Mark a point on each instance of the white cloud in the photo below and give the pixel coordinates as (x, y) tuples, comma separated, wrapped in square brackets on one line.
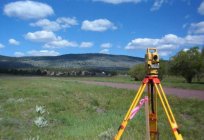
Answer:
[(106, 45), (19, 54), (185, 49), (164, 53), (66, 21), (50, 39), (13, 42), (157, 4), (1, 45), (43, 53), (119, 1), (60, 23), (41, 36), (196, 28), (28, 9), (105, 51), (166, 44), (86, 44), (46, 24), (98, 25), (60, 43), (201, 8), (194, 40)]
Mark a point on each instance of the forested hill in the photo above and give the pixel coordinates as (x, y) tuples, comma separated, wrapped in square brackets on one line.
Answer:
[(71, 61)]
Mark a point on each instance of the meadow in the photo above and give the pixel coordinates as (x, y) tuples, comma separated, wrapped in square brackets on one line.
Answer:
[(167, 81), (71, 110)]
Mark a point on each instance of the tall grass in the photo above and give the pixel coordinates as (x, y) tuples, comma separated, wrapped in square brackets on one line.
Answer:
[(76, 111)]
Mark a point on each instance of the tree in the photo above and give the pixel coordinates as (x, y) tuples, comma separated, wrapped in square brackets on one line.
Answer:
[(187, 63), (163, 69), (137, 72), (202, 63)]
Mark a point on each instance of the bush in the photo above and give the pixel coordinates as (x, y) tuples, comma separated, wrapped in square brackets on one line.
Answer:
[(163, 69), (137, 72)]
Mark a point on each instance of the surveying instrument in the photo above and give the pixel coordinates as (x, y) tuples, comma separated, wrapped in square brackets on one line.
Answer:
[(154, 89)]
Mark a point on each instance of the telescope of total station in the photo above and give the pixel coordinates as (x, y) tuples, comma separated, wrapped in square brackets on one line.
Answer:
[(154, 88)]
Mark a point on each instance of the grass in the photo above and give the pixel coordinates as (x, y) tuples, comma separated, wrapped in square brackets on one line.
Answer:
[(115, 79), (179, 82), (168, 81), (76, 111)]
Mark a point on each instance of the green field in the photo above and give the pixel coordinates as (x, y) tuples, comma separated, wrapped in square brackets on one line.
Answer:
[(168, 81), (76, 111)]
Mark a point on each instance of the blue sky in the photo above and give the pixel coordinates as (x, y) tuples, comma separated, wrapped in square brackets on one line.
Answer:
[(127, 27)]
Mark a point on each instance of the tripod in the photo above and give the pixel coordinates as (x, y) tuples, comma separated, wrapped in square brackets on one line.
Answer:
[(154, 89)]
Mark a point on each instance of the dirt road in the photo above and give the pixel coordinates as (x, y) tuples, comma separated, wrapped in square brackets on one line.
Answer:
[(184, 93)]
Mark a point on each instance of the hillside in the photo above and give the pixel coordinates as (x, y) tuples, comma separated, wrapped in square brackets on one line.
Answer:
[(71, 61)]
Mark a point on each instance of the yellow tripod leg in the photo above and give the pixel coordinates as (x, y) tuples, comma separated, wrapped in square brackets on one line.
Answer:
[(127, 116), (168, 112), (152, 96)]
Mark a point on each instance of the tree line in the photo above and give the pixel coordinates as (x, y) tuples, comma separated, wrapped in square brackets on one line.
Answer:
[(58, 72), (186, 63)]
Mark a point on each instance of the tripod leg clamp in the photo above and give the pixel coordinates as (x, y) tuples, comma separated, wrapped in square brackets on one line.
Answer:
[(121, 127)]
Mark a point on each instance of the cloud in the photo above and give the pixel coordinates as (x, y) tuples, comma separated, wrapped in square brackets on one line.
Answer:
[(166, 44), (194, 40), (196, 28), (13, 42), (46, 24), (86, 44), (41, 36), (98, 25), (42, 53), (19, 54), (60, 43), (157, 4), (165, 53), (1, 46), (105, 51), (118, 1), (66, 21), (28, 9), (185, 49), (106, 45), (201, 8), (60, 23), (50, 39), (37, 53)]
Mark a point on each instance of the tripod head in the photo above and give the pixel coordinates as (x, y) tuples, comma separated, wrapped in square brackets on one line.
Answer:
[(152, 62)]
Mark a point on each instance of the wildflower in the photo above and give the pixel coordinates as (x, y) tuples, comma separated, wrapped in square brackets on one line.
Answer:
[(40, 122), (40, 109)]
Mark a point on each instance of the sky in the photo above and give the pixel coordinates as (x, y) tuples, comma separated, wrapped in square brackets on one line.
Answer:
[(121, 27)]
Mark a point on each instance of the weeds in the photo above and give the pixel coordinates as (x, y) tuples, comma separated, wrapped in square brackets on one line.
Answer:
[(75, 111)]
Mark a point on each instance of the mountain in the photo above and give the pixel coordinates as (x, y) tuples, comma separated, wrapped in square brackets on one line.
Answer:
[(72, 61)]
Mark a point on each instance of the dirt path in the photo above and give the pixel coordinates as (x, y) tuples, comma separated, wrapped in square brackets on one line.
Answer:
[(184, 93)]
